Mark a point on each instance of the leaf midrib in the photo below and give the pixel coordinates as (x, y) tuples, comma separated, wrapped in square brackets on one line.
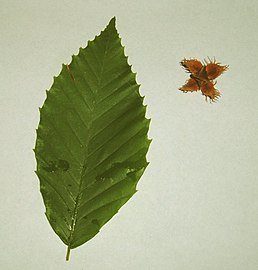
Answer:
[(84, 169)]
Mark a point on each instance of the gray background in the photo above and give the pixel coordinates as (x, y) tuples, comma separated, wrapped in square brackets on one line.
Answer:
[(197, 205)]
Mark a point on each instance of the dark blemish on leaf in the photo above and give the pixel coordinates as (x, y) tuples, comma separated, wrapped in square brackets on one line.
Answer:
[(63, 165), (95, 222), (52, 167)]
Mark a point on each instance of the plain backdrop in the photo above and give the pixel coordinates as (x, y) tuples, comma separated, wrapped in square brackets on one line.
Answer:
[(197, 204)]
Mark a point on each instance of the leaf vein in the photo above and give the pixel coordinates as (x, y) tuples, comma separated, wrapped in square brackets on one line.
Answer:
[(63, 140), (64, 94), (107, 204), (54, 189), (119, 148)]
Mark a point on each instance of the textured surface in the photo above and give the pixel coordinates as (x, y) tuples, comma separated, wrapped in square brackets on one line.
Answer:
[(91, 140)]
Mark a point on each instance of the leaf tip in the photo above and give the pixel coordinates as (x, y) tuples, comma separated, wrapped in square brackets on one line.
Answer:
[(112, 22)]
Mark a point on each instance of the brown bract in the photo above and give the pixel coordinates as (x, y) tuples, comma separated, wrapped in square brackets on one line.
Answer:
[(202, 76)]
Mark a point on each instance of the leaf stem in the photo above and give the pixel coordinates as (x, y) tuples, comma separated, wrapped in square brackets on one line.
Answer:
[(68, 253)]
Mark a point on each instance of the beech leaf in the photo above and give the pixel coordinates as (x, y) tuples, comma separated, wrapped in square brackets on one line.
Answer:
[(91, 141)]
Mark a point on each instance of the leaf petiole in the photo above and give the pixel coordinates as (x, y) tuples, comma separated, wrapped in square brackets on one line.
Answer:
[(68, 253)]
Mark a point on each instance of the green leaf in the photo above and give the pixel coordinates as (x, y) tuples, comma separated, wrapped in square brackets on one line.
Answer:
[(91, 140)]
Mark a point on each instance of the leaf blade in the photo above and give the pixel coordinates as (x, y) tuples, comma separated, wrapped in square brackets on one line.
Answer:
[(92, 140)]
